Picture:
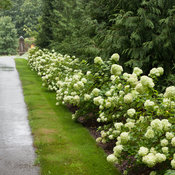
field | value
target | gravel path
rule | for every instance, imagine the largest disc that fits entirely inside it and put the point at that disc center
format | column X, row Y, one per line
column 17, row 154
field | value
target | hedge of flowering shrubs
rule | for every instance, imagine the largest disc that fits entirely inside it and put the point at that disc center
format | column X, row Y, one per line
column 127, row 106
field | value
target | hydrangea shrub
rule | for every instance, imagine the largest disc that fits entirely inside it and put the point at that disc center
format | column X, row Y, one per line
column 128, row 108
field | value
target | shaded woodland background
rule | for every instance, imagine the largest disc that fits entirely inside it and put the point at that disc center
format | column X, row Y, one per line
column 142, row 32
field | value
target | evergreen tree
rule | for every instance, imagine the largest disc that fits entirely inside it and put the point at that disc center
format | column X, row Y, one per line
column 66, row 24
column 8, row 36
column 141, row 35
column 45, row 34
column 5, row 4
column 24, row 13
column 29, row 14
column 141, row 31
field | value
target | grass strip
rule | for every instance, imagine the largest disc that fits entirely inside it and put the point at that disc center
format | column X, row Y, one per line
column 63, row 146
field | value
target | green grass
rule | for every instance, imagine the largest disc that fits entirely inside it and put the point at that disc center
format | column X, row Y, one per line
column 63, row 146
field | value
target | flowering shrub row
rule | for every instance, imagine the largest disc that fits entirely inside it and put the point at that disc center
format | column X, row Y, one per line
column 127, row 106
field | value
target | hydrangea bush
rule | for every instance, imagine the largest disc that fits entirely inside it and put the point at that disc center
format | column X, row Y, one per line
column 128, row 108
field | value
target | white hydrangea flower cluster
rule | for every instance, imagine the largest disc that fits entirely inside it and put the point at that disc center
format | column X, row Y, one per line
column 98, row 100
column 116, row 69
column 128, row 98
column 137, row 71
column 132, row 80
column 115, row 57
column 124, row 137
column 95, row 92
column 147, row 81
column 118, row 149
column 165, row 150
column 112, row 158
column 98, row 60
column 151, row 159
column 130, row 125
column 143, row 151
column 160, row 125
column 156, row 72
column 170, row 92
column 131, row 112
column 87, row 97
column 169, row 135
column 150, row 133
column 173, row 141
column 173, row 162
column 126, row 76
column 168, row 103
column 140, row 88
column 164, row 142
column 149, row 104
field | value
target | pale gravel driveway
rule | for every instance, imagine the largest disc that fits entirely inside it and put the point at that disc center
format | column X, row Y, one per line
column 17, row 154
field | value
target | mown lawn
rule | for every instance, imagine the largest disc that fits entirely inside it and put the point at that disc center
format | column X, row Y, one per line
column 63, row 146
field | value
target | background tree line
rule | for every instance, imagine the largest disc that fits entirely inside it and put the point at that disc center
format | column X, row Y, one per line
column 142, row 32
column 5, row 4
column 17, row 18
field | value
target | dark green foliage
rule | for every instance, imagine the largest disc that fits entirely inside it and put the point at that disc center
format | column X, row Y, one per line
column 145, row 36
column 24, row 14
column 44, row 37
column 5, row 4
column 142, row 32
column 8, row 36
column 63, row 26
column 29, row 14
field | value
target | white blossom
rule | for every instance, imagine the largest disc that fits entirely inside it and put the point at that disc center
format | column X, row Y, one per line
column 137, row 71
column 116, row 69
column 95, row 92
column 166, row 124
column 173, row 163
column 118, row 125
column 173, row 141
column 131, row 112
column 147, row 81
column 126, row 76
column 115, row 57
column 165, row 150
column 118, row 149
column 149, row 103
column 161, row 70
column 98, row 60
column 139, row 88
column 112, row 158
column 149, row 159
column 130, row 125
column 133, row 80
column 169, row 135
column 98, row 140
column 154, row 72
column 149, row 133
column 157, row 124
column 124, row 136
column 164, row 142
column 160, row 157
column 87, row 97
column 143, row 151
column 128, row 98
column 170, row 92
